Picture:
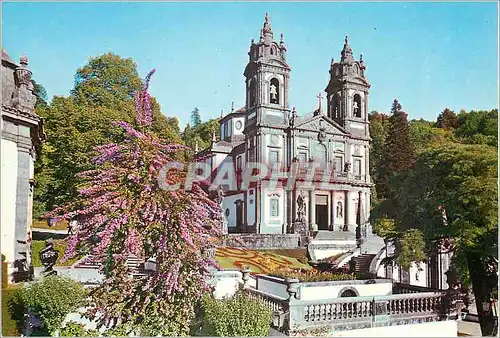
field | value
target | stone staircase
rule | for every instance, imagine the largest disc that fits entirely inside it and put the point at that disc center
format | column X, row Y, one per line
column 363, row 263
column 133, row 263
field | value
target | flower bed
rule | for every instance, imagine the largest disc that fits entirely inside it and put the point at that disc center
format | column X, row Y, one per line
column 312, row 275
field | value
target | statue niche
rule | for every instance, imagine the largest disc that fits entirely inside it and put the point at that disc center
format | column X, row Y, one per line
column 274, row 91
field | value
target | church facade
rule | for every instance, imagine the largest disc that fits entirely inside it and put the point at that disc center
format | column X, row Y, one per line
column 322, row 157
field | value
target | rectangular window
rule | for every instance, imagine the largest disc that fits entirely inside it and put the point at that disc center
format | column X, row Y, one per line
column 225, row 130
column 357, row 167
column 275, row 212
column 302, row 160
column 273, row 158
column 338, row 164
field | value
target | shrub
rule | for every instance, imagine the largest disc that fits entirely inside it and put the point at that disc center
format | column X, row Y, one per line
column 74, row 329
column 12, row 314
column 311, row 275
column 52, row 298
column 5, row 273
column 240, row 315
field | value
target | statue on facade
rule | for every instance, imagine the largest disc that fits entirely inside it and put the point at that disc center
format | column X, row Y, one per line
column 48, row 257
column 347, row 167
column 300, row 208
column 339, row 209
column 274, row 92
column 219, row 199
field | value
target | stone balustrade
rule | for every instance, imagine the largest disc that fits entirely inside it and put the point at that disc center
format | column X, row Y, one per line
column 413, row 305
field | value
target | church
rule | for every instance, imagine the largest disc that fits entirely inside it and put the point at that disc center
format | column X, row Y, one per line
column 336, row 139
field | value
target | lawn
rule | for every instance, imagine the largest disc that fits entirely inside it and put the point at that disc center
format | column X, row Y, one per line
column 59, row 244
column 9, row 327
column 258, row 261
column 42, row 224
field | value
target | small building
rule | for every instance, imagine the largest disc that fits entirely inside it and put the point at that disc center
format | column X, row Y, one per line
column 22, row 133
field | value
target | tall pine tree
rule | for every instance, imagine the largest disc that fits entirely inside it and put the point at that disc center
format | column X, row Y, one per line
column 195, row 117
column 398, row 155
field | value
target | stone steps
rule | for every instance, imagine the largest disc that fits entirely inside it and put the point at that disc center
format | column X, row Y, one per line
column 363, row 263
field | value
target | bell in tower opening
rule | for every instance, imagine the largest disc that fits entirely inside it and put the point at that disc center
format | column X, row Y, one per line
column 274, row 91
column 357, row 105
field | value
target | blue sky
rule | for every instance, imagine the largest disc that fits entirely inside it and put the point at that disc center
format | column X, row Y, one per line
column 428, row 55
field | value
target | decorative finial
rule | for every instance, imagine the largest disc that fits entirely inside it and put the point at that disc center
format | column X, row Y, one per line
column 214, row 139
column 23, row 60
column 267, row 17
column 221, row 113
column 361, row 58
column 252, row 41
column 347, row 39
column 232, row 106
column 333, row 61
column 281, row 37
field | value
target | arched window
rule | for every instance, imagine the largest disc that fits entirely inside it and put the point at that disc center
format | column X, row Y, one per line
column 252, row 94
column 274, row 91
column 335, row 107
column 348, row 293
column 356, row 105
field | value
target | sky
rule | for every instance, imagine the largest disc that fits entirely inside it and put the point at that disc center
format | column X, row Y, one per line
column 429, row 56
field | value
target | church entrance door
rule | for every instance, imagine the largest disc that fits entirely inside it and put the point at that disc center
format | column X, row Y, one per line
column 322, row 212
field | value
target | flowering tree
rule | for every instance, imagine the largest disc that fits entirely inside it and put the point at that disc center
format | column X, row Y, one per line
column 123, row 212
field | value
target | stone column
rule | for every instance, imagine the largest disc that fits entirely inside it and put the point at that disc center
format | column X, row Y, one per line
column 351, row 218
column 332, row 211
column 346, row 223
column 367, row 164
column 257, row 208
column 22, row 211
column 367, row 208
column 312, row 211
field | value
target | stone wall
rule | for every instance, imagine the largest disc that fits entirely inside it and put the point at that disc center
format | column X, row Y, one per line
column 262, row 241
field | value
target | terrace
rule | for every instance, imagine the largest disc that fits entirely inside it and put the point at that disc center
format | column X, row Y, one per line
column 342, row 305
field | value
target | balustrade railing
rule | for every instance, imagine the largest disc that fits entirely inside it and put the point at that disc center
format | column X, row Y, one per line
column 360, row 311
column 274, row 303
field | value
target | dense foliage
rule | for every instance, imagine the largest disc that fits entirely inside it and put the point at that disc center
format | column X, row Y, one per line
column 74, row 329
column 52, row 298
column 239, row 315
column 450, row 190
column 74, row 125
column 123, row 212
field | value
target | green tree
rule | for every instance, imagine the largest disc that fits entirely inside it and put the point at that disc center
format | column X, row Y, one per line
column 40, row 93
column 74, row 125
column 379, row 127
column 398, row 155
column 461, row 178
column 447, row 119
column 423, row 134
column 201, row 134
column 411, row 248
column 195, row 117
column 479, row 127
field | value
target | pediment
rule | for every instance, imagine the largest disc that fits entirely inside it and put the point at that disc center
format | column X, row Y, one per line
column 277, row 62
column 319, row 122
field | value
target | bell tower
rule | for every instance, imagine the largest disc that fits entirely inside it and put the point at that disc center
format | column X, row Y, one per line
column 267, row 77
column 347, row 92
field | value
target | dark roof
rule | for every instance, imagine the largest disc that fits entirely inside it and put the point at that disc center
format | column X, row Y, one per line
column 239, row 112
